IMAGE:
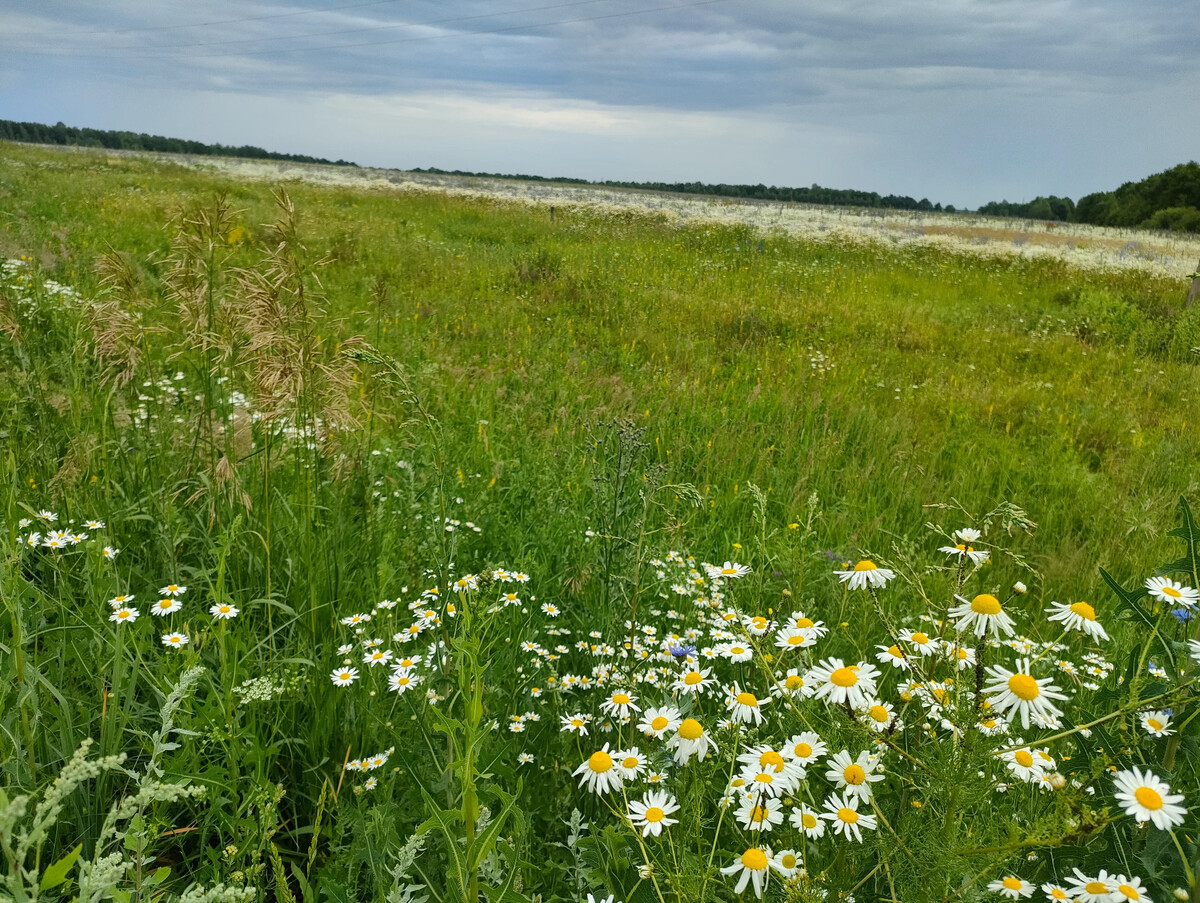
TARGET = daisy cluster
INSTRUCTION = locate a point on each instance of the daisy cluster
(48, 535)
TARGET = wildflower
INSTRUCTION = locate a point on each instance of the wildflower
(805, 748)
(983, 615)
(355, 620)
(728, 571)
(549, 609)
(124, 615)
(853, 777)
(1019, 693)
(1078, 616)
(864, 574)
(223, 611)
(806, 820)
(1092, 890)
(690, 740)
(630, 763)
(1023, 764)
(1156, 724)
(878, 716)
(109, 552)
(1019, 588)
(964, 549)
(619, 705)
(696, 681)
(465, 584)
(843, 816)
(599, 773)
(839, 683)
(1055, 892)
(172, 590)
(658, 721)
(735, 652)
(167, 605)
(401, 681)
(175, 640)
(1167, 590)
(794, 638)
(343, 677)
(1129, 889)
(1147, 798)
(922, 641)
(759, 812)
(371, 783)
(121, 600)
(757, 625)
(525, 759)
(652, 812)
(786, 862)
(753, 865)
(1012, 887)
(744, 707)
(577, 723)
(894, 656)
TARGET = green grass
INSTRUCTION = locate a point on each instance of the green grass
(856, 384)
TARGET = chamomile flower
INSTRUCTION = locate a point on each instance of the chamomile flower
(838, 683)
(754, 868)
(805, 819)
(525, 759)
(922, 642)
(652, 812)
(1023, 764)
(620, 704)
(805, 748)
(792, 684)
(551, 610)
(1077, 616)
(1156, 724)
(866, 574)
(878, 716)
(1012, 887)
(223, 611)
(1146, 798)
(172, 589)
(694, 682)
(175, 640)
(786, 862)
(963, 547)
(599, 773)
(630, 762)
(657, 722)
(124, 615)
(1167, 590)
(841, 811)
(983, 615)
(795, 638)
(690, 740)
(759, 812)
(1084, 889)
(1019, 693)
(577, 723)
(120, 601)
(401, 681)
(1129, 889)
(1055, 893)
(894, 656)
(744, 707)
(343, 677)
(735, 652)
(853, 777)
(728, 571)
(167, 605)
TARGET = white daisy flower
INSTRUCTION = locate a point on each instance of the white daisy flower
(1149, 799)
(754, 866)
(1156, 724)
(690, 740)
(343, 677)
(659, 721)
(124, 615)
(1012, 887)
(838, 683)
(175, 640)
(1077, 616)
(841, 811)
(652, 812)
(865, 574)
(599, 773)
(744, 707)
(1019, 693)
(853, 777)
(805, 819)
(167, 605)
(983, 615)
(1167, 590)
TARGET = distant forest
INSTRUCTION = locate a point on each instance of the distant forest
(36, 133)
(1166, 200)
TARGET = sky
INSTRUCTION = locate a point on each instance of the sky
(959, 101)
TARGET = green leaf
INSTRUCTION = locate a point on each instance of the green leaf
(444, 820)
(482, 845)
(57, 872)
(1190, 534)
(1129, 601)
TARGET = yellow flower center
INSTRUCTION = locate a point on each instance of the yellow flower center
(854, 774)
(629, 762)
(985, 604)
(165, 603)
(772, 759)
(920, 639)
(1012, 883)
(1171, 591)
(754, 859)
(654, 814)
(659, 723)
(224, 609)
(879, 713)
(788, 860)
(600, 762)
(728, 571)
(1155, 724)
(1084, 611)
(620, 699)
(809, 820)
(737, 650)
(759, 622)
(1023, 758)
(747, 699)
(866, 566)
(797, 639)
(759, 814)
(1023, 687)
(803, 750)
(848, 815)
(844, 677)
(1148, 797)
(1058, 893)
(1097, 887)
(794, 682)
(763, 778)
(805, 622)
(690, 729)
(895, 652)
(692, 678)
(1129, 892)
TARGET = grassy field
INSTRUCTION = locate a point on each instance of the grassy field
(281, 412)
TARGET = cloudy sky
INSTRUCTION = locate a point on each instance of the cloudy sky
(960, 101)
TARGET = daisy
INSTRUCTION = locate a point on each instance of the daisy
(981, 616)
(853, 777)
(806, 820)
(551, 610)
(343, 677)
(794, 638)
(109, 552)
(120, 601)
(745, 707)
(735, 652)
(922, 641)
(465, 584)
(172, 589)
(1055, 892)
(1167, 590)
(1077, 616)
(894, 656)
(1012, 887)
(167, 605)
(864, 574)
(843, 816)
(690, 740)
(759, 813)
(175, 640)
(619, 705)
(1156, 724)
(878, 716)
(124, 615)
(786, 862)
(401, 681)
(630, 763)
(694, 682)
(525, 759)
(223, 611)
(577, 723)
(1023, 764)
(728, 571)
(599, 772)
(1092, 890)
(964, 548)
(805, 748)
(1129, 889)
(801, 621)
(652, 812)
(754, 867)
(839, 683)
(355, 620)
(1019, 693)
(793, 684)
(1147, 798)
(658, 721)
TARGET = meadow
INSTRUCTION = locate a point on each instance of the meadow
(366, 543)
